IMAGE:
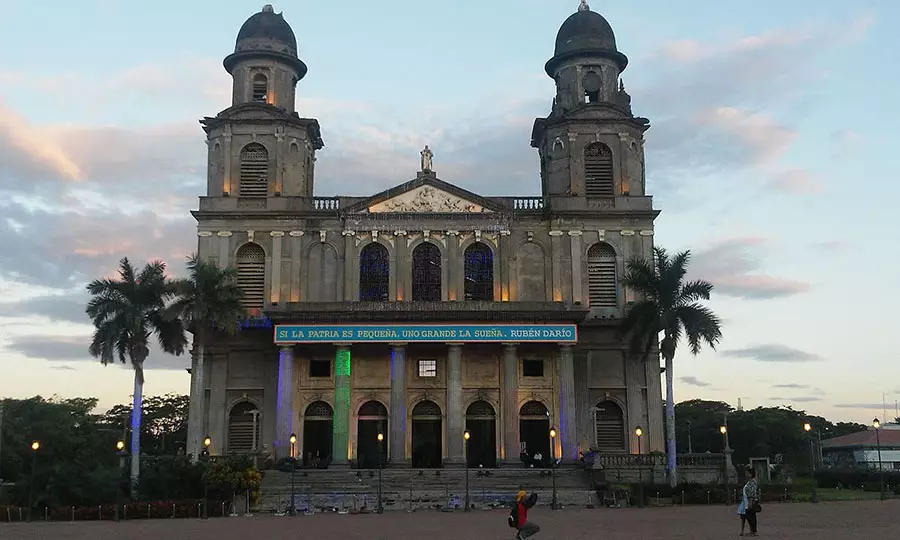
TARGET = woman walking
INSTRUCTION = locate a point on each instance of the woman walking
(742, 512)
(751, 496)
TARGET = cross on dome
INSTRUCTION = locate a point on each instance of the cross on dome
(584, 6)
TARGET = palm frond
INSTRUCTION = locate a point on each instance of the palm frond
(700, 325)
(694, 291)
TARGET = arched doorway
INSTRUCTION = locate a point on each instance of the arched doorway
(427, 431)
(481, 423)
(372, 420)
(609, 426)
(243, 428)
(317, 432)
(534, 434)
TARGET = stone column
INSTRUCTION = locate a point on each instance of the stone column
(454, 405)
(224, 248)
(586, 429)
(218, 382)
(275, 286)
(556, 265)
(284, 402)
(577, 273)
(341, 425)
(634, 416)
(350, 289)
(397, 440)
(567, 420)
(230, 186)
(454, 270)
(655, 417)
(195, 413)
(511, 446)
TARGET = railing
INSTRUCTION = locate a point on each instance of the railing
(528, 203)
(326, 203)
(628, 461)
(700, 461)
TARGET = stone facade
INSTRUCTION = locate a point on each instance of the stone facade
(426, 251)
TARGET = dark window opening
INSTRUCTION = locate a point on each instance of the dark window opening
(320, 368)
(479, 273)
(426, 273)
(533, 368)
(254, 171)
(374, 273)
(603, 287)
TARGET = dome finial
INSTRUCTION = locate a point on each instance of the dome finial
(584, 6)
(268, 9)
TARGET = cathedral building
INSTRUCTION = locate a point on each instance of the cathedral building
(426, 311)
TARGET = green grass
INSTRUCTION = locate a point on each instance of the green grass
(837, 495)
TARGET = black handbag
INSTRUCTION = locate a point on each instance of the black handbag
(755, 507)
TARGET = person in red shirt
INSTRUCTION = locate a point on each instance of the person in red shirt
(526, 529)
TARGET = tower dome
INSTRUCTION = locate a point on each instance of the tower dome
(585, 33)
(266, 35)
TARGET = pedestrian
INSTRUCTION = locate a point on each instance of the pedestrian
(751, 495)
(742, 512)
(518, 517)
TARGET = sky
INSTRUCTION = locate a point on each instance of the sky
(771, 154)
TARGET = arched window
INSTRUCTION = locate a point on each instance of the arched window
(251, 267)
(243, 428)
(426, 273)
(609, 423)
(598, 170)
(374, 273)
(603, 284)
(479, 273)
(254, 171)
(373, 410)
(534, 410)
(260, 88)
(427, 410)
(481, 410)
(318, 410)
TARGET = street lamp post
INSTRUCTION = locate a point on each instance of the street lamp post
(807, 427)
(877, 425)
(380, 509)
(207, 441)
(121, 453)
(466, 436)
(554, 503)
(723, 429)
(35, 446)
(293, 461)
(640, 433)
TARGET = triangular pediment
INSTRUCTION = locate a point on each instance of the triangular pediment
(428, 199)
(426, 195)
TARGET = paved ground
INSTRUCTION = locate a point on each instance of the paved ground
(828, 521)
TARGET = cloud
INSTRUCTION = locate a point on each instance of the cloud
(75, 348)
(67, 248)
(797, 399)
(56, 307)
(870, 406)
(791, 386)
(773, 352)
(62, 368)
(796, 181)
(831, 245)
(732, 267)
(694, 381)
(27, 150)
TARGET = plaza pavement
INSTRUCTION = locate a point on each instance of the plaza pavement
(827, 521)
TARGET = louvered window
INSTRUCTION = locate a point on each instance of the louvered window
(598, 171)
(243, 428)
(602, 281)
(254, 171)
(251, 266)
(610, 427)
(260, 88)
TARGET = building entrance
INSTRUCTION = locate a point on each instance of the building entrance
(317, 425)
(373, 419)
(427, 431)
(534, 434)
(481, 423)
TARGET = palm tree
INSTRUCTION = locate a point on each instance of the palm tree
(671, 306)
(209, 300)
(126, 312)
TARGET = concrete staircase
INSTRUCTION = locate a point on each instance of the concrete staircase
(420, 489)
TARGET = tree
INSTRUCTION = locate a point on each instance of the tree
(126, 312)
(208, 301)
(672, 307)
(163, 423)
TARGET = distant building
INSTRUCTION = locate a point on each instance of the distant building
(861, 449)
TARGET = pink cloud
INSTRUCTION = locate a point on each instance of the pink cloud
(759, 133)
(797, 181)
(27, 145)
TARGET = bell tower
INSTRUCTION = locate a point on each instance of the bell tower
(260, 147)
(591, 145)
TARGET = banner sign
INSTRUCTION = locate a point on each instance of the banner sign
(434, 333)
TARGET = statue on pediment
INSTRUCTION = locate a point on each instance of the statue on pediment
(427, 159)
